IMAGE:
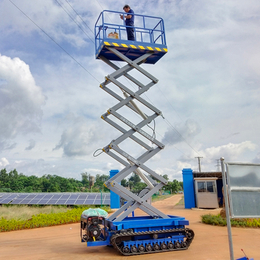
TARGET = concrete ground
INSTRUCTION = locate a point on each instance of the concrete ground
(63, 242)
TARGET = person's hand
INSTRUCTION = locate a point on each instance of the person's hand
(121, 16)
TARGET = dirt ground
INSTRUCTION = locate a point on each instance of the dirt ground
(63, 242)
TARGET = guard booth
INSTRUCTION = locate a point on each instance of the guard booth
(202, 189)
(206, 192)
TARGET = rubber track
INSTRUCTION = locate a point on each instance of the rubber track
(127, 234)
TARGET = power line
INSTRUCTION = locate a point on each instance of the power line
(174, 146)
(168, 101)
(79, 16)
(74, 20)
(168, 122)
(100, 5)
(55, 42)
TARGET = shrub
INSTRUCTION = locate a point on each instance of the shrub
(219, 221)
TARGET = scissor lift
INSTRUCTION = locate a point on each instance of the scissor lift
(157, 231)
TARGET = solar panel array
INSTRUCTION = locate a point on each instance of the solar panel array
(55, 198)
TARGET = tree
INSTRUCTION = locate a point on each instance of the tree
(14, 182)
(85, 179)
(135, 179)
(173, 186)
(4, 178)
(131, 184)
(45, 184)
(124, 183)
(139, 187)
(165, 176)
(100, 180)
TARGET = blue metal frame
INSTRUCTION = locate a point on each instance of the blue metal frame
(142, 224)
(147, 223)
(149, 34)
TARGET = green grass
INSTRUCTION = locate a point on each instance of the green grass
(26, 212)
(217, 220)
(161, 197)
(181, 202)
(24, 217)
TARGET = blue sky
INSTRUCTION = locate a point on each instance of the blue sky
(50, 107)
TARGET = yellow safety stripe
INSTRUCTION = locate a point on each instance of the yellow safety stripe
(135, 46)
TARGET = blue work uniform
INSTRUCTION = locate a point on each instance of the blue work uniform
(130, 22)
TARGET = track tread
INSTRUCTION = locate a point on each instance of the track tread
(189, 237)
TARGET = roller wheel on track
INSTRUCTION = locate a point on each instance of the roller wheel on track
(133, 249)
(141, 248)
(183, 244)
(156, 247)
(177, 245)
(170, 245)
(163, 246)
(190, 234)
(126, 249)
(148, 248)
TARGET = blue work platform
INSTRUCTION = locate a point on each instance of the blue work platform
(110, 31)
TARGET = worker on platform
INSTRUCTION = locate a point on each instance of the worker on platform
(129, 22)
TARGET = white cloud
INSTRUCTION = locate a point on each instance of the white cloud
(31, 145)
(257, 159)
(21, 100)
(3, 162)
(182, 133)
(229, 151)
(80, 138)
(5, 145)
(94, 172)
(25, 17)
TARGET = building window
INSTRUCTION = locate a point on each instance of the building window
(201, 186)
(210, 186)
(206, 186)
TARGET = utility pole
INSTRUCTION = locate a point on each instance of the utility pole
(199, 162)
(218, 165)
